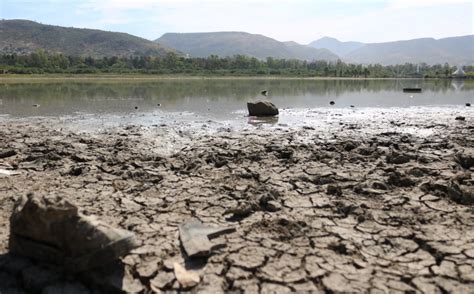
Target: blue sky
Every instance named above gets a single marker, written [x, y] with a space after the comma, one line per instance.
[298, 20]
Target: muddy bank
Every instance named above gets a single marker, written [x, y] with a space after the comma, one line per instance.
[353, 210]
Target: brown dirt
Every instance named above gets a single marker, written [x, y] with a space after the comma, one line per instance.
[350, 212]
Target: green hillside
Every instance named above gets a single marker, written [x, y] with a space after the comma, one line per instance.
[23, 37]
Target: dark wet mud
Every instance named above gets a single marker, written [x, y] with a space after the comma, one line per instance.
[341, 211]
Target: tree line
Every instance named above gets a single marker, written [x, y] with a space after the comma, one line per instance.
[41, 62]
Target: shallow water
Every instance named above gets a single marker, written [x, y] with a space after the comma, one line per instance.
[218, 100]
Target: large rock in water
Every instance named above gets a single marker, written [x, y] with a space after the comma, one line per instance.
[262, 108]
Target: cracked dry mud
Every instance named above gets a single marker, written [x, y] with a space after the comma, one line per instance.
[350, 212]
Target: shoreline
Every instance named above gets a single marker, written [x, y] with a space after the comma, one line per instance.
[347, 207]
[149, 77]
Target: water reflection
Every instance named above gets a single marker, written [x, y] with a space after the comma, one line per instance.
[458, 85]
[219, 98]
[264, 120]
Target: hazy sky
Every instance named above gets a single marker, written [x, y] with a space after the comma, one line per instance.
[299, 20]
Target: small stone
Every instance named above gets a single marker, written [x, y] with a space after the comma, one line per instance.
[349, 146]
[7, 153]
[334, 190]
[461, 194]
[285, 154]
[465, 158]
[379, 185]
[397, 158]
[75, 171]
[399, 180]
[273, 206]
[460, 118]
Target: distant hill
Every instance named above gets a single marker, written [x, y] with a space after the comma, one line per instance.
[233, 43]
[23, 36]
[336, 46]
[453, 50]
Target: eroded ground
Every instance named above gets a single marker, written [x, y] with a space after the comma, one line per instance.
[351, 211]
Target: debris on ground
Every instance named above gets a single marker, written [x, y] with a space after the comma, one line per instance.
[195, 236]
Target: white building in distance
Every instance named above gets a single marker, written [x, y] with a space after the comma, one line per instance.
[459, 72]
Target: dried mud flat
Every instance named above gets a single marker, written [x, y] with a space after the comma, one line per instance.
[352, 211]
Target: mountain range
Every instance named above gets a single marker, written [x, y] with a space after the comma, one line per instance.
[336, 46]
[24, 36]
[454, 50]
[241, 43]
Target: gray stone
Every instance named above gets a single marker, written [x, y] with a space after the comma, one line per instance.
[50, 229]
[262, 108]
[465, 158]
[195, 237]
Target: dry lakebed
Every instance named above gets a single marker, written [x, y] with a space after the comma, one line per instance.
[378, 202]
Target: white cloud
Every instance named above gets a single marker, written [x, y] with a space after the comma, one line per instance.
[299, 20]
[406, 4]
[284, 21]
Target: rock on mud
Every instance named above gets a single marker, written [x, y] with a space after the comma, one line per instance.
[262, 108]
[465, 158]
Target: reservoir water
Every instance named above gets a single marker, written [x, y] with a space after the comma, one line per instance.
[150, 101]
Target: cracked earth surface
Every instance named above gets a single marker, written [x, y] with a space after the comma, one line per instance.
[348, 212]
